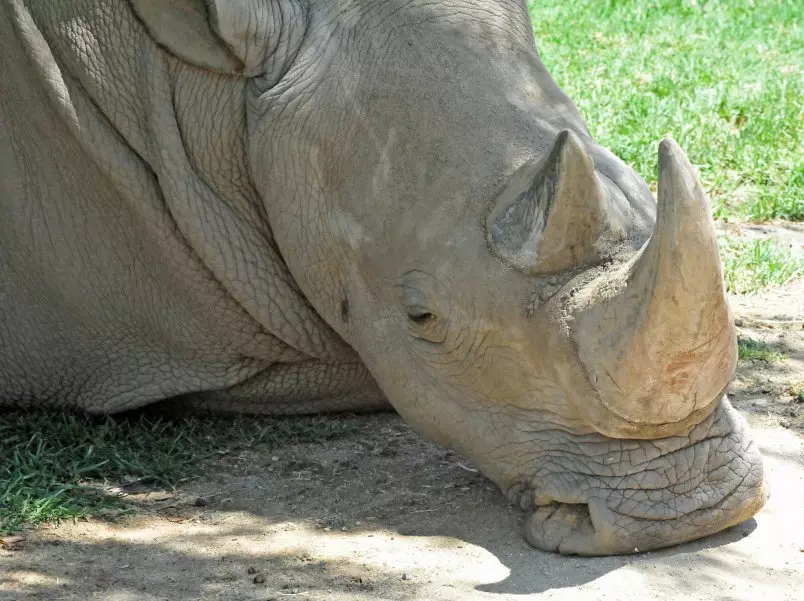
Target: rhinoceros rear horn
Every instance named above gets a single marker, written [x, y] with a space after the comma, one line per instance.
[665, 346]
[553, 214]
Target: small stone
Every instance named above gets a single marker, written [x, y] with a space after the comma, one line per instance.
[344, 528]
[259, 579]
[404, 576]
[252, 570]
[739, 322]
[200, 502]
[12, 543]
[275, 458]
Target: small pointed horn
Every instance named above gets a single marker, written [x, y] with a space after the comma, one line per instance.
[664, 346]
[553, 212]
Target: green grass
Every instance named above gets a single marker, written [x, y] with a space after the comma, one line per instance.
[749, 349]
[750, 266]
[722, 77]
[60, 466]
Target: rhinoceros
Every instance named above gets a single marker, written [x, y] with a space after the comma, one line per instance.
[296, 206]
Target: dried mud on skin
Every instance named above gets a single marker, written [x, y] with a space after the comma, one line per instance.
[385, 514]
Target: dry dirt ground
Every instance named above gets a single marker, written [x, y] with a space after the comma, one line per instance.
[387, 515]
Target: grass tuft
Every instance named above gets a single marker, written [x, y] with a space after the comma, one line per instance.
[749, 349]
[749, 266]
[723, 77]
[60, 466]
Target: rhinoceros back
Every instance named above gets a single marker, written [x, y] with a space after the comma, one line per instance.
[123, 278]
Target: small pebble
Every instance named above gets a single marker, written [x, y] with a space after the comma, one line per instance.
[404, 576]
[259, 579]
[252, 570]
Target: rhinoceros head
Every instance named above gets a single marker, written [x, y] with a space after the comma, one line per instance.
[514, 288]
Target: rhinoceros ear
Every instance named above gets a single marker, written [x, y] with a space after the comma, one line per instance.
[228, 36]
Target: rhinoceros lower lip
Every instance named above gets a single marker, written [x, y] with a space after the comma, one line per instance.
[589, 528]
[630, 496]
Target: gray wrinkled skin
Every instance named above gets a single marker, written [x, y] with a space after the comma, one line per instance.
[290, 206]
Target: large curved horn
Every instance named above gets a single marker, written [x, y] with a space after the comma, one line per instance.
[553, 212]
[663, 345]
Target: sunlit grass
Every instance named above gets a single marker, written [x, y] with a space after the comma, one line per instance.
[724, 78]
[749, 266]
[749, 349]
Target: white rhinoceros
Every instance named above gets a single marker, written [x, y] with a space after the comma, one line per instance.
[291, 206]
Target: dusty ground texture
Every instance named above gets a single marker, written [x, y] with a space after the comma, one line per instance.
[387, 515]
[768, 391]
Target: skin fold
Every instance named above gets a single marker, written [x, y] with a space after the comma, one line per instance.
[293, 206]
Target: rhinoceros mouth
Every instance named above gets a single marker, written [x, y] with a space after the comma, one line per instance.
[598, 496]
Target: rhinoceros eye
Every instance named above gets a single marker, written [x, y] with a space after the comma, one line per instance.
[420, 315]
[419, 295]
[425, 325]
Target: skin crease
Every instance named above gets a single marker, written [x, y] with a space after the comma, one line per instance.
[306, 231]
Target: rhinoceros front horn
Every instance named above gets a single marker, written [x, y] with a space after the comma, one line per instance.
[553, 215]
[662, 346]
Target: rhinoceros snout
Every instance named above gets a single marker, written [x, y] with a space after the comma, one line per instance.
[631, 496]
